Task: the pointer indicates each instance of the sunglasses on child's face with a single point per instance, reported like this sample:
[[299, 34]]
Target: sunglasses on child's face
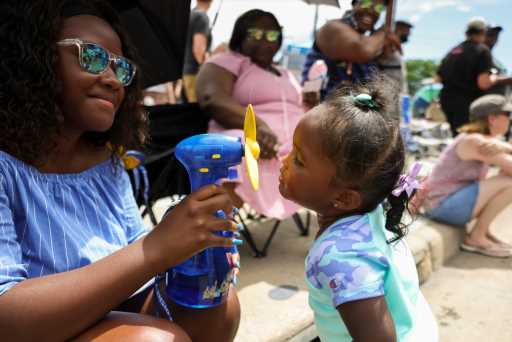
[[271, 36], [95, 59], [369, 4]]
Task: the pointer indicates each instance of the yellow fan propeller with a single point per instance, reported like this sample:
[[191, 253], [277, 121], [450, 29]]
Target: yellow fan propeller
[[251, 147]]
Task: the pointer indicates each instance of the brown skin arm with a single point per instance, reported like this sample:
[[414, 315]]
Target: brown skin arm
[[486, 81], [60, 306], [199, 46], [368, 320], [502, 80], [57, 307], [341, 42], [214, 87]]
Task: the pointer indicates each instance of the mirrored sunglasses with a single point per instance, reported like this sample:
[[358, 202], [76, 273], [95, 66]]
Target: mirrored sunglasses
[[271, 36], [369, 4], [95, 59]]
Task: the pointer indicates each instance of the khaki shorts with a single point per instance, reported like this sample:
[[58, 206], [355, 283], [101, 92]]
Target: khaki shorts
[[189, 83]]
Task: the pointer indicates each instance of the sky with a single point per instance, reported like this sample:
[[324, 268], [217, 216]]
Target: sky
[[439, 24]]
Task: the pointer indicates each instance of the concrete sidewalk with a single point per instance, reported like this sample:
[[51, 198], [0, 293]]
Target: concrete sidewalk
[[272, 290], [273, 293], [471, 295]]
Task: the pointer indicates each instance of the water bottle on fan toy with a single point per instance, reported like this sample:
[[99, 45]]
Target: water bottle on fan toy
[[203, 281]]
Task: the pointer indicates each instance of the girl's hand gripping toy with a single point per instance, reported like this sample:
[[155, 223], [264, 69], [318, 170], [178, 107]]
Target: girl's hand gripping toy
[[203, 281]]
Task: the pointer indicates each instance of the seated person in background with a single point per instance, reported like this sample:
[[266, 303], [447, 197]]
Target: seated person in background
[[458, 191], [228, 82]]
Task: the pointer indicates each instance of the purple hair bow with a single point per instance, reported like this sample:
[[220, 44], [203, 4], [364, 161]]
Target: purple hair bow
[[408, 182]]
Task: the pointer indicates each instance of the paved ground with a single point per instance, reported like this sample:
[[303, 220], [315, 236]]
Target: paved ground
[[272, 290], [472, 295]]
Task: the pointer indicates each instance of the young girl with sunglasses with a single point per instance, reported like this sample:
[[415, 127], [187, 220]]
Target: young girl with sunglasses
[[73, 248], [346, 161]]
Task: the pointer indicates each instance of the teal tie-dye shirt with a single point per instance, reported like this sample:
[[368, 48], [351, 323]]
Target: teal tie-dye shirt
[[352, 261]]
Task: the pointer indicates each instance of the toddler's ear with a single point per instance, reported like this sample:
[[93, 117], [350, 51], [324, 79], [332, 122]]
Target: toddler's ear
[[347, 200]]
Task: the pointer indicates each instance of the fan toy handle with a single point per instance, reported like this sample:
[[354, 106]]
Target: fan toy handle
[[203, 281]]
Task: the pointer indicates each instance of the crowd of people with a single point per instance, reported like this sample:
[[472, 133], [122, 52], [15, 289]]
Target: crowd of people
[[77, 262], [473, 99], [469, 71]]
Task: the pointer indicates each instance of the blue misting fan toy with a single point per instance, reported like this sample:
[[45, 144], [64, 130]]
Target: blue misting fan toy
[[203, 281]]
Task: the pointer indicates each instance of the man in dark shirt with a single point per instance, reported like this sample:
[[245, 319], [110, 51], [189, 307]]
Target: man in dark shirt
[[198, 44], [466, 74]]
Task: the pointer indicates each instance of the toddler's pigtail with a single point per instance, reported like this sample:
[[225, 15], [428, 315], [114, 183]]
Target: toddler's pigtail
[[398, 201], [395, 210]]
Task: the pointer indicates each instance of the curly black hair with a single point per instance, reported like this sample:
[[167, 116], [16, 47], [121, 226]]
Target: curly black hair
[[29, 89], [364, 142]]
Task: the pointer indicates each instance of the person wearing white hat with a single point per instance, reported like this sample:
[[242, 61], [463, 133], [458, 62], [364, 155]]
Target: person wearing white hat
[[458, 191], [466, 74]]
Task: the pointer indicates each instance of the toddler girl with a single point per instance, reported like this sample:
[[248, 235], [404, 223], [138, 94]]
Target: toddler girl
[[346, 161]]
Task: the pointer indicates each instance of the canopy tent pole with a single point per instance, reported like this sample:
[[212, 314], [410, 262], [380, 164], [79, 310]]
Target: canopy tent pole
[[315, 22]]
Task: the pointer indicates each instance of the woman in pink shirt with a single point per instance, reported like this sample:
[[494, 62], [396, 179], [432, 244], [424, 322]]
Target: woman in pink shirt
[[228, 82], [458, 189]]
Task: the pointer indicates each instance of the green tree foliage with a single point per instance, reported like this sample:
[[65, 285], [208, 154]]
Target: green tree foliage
[[418, 70]]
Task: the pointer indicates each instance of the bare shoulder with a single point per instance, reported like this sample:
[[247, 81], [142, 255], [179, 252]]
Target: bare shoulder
[[214, 68], [468, 147], [472, 140], [334, 27], [211, 73], [339, 41]]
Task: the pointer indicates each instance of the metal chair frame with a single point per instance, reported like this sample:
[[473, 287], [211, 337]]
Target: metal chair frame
[[261, 253], [159, 189]]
